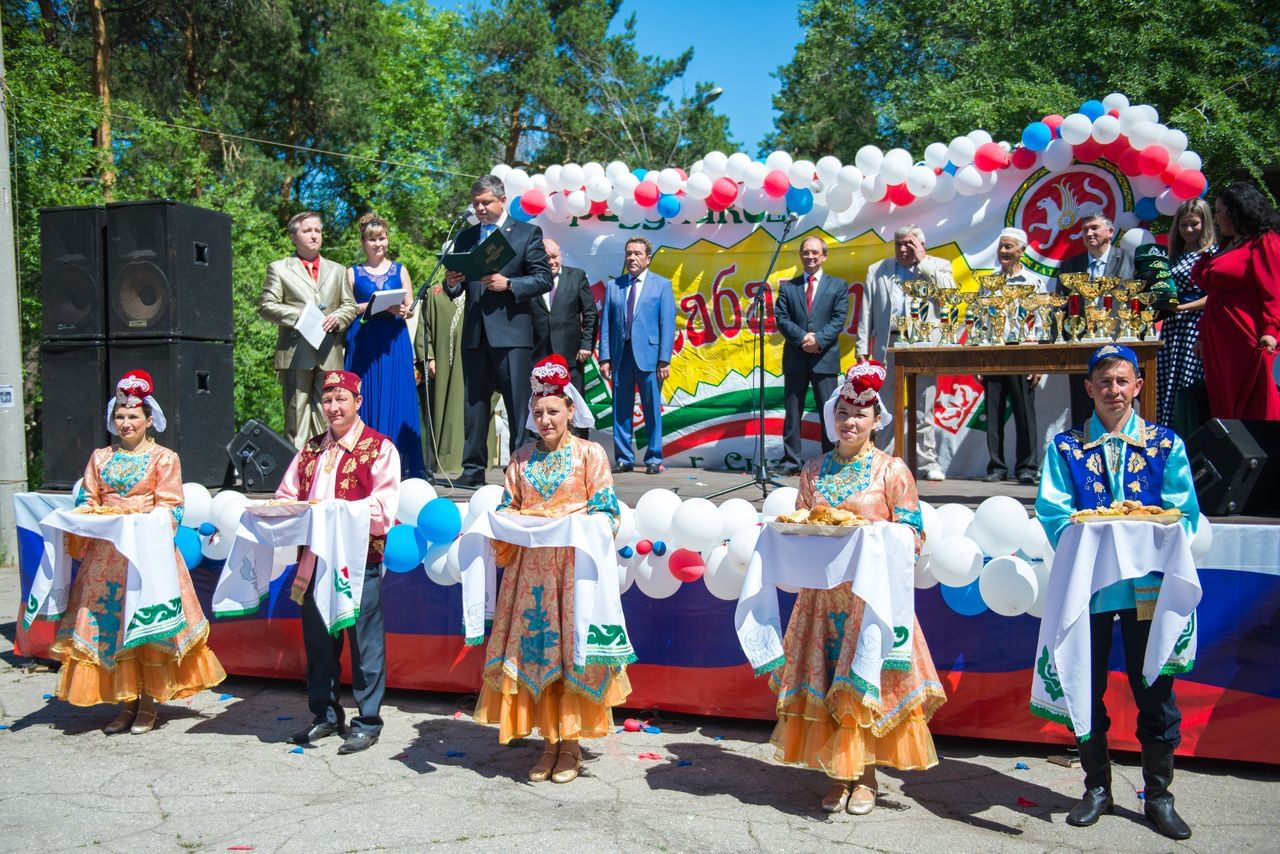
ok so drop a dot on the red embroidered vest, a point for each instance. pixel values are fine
(354, 476)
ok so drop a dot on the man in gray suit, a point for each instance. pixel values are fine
(882, 298)
(810, 312)
(290, 284)
(564, 319)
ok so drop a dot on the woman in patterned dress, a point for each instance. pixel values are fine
(136, 477)
(1183, 404)
(824, 721)
(529, 677)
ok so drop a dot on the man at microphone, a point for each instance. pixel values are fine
(497, 324)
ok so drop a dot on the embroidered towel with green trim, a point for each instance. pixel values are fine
(1088, 559)
(878, 560)
(599, 628)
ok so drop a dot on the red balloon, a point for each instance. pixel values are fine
(1189, 184)
(776, 183)
(647, 194)
(1053, 121)
(686, 565)
(989, 157)
(600, 207)
(644, 547)
(899, 195)
(937, 170)
(1115, 114)
(1153, 159)
(1115, 149)
(1087, 151)
(534, 201)
(1171, 172)
(684, 176)
(723, 193)
(1023, 158)
(1163, 239)
(1129, 163)
(632, 725)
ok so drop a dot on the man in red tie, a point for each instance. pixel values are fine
(810, 312)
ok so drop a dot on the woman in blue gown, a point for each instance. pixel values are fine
(379, 350)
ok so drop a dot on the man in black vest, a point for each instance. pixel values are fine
(564, 319)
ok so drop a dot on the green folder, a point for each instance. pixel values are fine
(488, 256)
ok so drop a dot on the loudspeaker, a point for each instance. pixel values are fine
(195, 386)
(1229, 459)
(74, 412)
(73, 273)
(260, 456)
(168, 271)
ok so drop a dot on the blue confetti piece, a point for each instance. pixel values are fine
(683, 762)
(652, 730)
(224, 696)
(1022, 766)
(4, 726)
(48, 696)
(284, 717)
(693, 477)
(1142, 794)
(297, 750)
(454, 753)
(719, 738)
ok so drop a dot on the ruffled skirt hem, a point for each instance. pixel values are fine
(148, 669)
(558, 712)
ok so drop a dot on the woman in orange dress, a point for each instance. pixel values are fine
(530, 681)
(824, 720)
(135, 477)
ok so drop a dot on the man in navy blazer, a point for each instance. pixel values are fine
(637, 335)
(497, 326)
(810, 311)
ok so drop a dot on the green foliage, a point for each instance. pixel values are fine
(917, 72)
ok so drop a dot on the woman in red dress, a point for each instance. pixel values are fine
(1242, 315)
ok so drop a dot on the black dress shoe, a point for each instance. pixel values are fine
(994, 477)
(315, 732)
(653, 468)
(1027, 479)
(470, 480)
(1091, 807)
(622, 468)
(358, 741)
(787, 471)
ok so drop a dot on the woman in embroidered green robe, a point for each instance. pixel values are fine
(825, 719)
(136, 477)
(529, 677)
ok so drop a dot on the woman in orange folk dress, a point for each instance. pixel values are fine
(824, 720)
(529, 677)
(136, 477)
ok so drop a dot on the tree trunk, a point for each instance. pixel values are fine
(195, 86)
(50, 18)
(102, 88)
(513, 132)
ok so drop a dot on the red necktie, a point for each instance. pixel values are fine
(808, 292)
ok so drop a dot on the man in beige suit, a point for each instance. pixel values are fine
(290, 284)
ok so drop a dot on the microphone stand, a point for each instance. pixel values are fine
(760, 471)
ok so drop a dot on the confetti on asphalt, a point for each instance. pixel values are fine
(649, 754)
(48, 696)
(1022, 766)
(683, 762)
(693, 477)
(1142, 794)
(401, 756)
(4, 726)
(297, 750)
(719, 738)
(457, 716)
(284, 717)
(1024, 802)
(455, 753)
(652, 730)
(224, 696)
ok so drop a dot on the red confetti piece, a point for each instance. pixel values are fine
(649, 754)
(241, 848)
(1023, 802)
(457, 716)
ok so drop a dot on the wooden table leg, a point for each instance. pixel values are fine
(1150, 390)
(910, 412)
(899, 413)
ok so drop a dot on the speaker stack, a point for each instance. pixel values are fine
(1235, 466)
(136, 285)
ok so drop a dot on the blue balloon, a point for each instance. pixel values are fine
(1093, 109)
(1146, 209)
(188, 542)
(668, 206)
(799, 200)
(207, 529)
(659, 548)
(518, 212)
(403, 553)
(950, 168)
(439, 521)
(626, 552)
(1036, 136)
(966, 601)
(639, 173)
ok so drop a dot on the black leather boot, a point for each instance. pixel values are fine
(1097, 783)
(1157, 774)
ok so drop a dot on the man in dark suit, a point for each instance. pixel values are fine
(497, 326)
(637, 336)
(564, 319)
(810, 311)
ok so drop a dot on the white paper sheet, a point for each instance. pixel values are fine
(310, 325)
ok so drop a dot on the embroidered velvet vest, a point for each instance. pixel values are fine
(1143, 467)
(354, 479)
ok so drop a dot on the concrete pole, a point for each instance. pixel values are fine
(13, 433)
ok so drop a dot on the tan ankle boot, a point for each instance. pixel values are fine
(146, 719)
(123, 720)
(542, 768)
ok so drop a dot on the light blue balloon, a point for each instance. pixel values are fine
(518, 212)
(1093, 109)
(1036, 136)
(799, 200)
(439, 521)
(208, 529)
(188, 542)
(966, 601)
(403, 553)
(950, 168)
(668, 206)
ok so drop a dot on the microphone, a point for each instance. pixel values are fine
(793, 218)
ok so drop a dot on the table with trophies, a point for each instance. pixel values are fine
(1012, 328)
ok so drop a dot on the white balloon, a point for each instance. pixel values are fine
(1034, 543)
(715, 165)
(696, 167)
(1167, 203)
(989, 181)
(1008, 586)
(414, 495)
(1106, 129)
(453, 561)
(723, 582)
(615, 170)
(738, 163)
(1057, 155)
(578, 203)
(960, 151)
(828, 168)
(228, 519)
(924, 578)
(1115, 101)
(801, 174)
(698, 186)
(933, 526)
(1202, 542)
(741, 546)
(516, 182)
(599, 188)
(540, 182)
(654, 578)
(999, 525)
(654, 513)
(436, 563)
(736, 514)
(1144, 134)
(551, 177)
(778, 160)
(500, 171)
(775, 204)
(955, 561)
(572, 177)
(874, 188)
(935, 154)
(1146, 185)
(753, 201)
(218, 546)
(557, 208)
(484, 499)
(196, 502)
(955, 519)
(921, 180)
(627, 534)
(753, 177)
(1189, 160)
(897, 162)
(1076, 128)
(839, 199)
(696, 525)
(781, 501)
(850, 177)
(691, 209)
(1041, 569)
(945, 189)
(1126, 220)
(75, 490)
(669, 180)
(968, 180)
(868, 159)
(1135, 237)
(592, 170)
(626, 184)
(627, 571)
(1174, 141)
(224, 499)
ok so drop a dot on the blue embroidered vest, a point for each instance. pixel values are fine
(1143, 467)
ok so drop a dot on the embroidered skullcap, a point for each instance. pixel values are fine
(862, 383)
(550, 376)
(1015, 233)
(134, 389)
(1117, 351)
(342, 379)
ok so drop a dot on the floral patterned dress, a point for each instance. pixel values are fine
(824, 722)
(90, 639)
(530, 681)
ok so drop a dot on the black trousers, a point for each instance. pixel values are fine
(368, 659)
(1081, 403)
(795, 386)
(486, 370)
(1014, 389)
(1159, 721)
